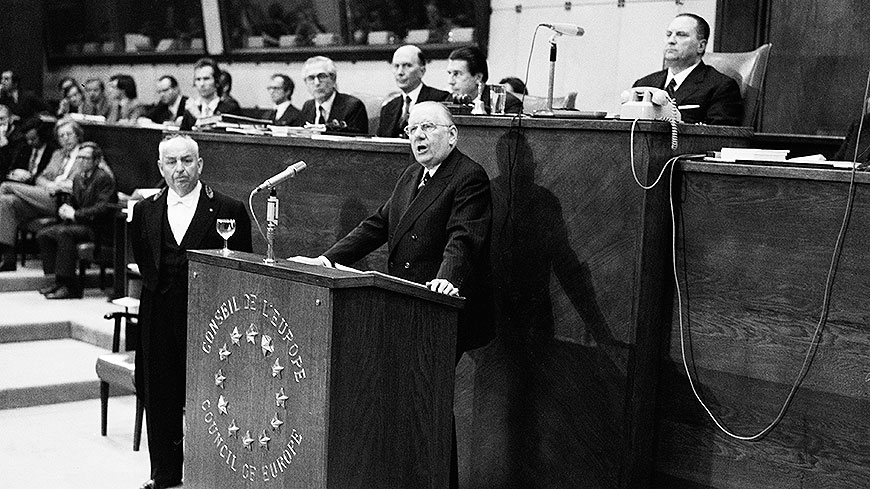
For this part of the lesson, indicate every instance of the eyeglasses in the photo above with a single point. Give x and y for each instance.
(187, 161)
(320, 77)
(427, 127)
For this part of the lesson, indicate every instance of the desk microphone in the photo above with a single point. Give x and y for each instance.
(566, 29)
(287, 174)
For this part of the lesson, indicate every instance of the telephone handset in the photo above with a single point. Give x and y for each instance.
(648, 103)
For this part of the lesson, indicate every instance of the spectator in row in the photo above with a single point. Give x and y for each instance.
(337, 111)
(206, 74)
(11, 138)
(20, 202)
(72, 102)
(22, 103)
(123, 103)
(32, 157)
(84, 217)
(281, 90)
(226, 83)
(96, 102)
(170, 109)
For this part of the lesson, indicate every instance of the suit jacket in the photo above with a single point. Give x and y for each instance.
(443, 232)
(15, 144)
(147, 226)
(348, 114)
(22, 159)
(391, 125)
(92, 198)
(101, 108)
(717, 95)
(27, 106)
(160, 113)
(223, 107)
(291, 117)
(130, 112)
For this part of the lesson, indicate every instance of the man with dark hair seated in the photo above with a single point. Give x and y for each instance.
(85, 217)
(206, 76)
(467, 73)
(33, 156)
(702, 94)
(170, 110)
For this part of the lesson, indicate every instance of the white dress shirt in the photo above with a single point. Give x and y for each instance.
(281, 108)
(180, 211)
(680, 77)
(327, 108)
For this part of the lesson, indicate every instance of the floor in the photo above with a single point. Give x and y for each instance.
(47, 354)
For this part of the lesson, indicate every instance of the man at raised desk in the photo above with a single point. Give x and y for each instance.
(467, 73)
(409, 66)
(337, 111)
(205, 79)
(170, 110)
(281, 91)
(702, 94)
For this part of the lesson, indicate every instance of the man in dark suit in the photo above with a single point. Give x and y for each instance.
(85, 217)
(23, 103)
(33, 156)
(11, 139)
(409, 66)
(281, 90)
(172, 103)
(205, 79)
(702, 94)
(179, 218)
(338, 111)
(436, 223)
(467, 72)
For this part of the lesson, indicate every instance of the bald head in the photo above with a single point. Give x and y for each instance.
(409, 66)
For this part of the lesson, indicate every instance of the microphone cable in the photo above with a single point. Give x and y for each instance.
(826, 301)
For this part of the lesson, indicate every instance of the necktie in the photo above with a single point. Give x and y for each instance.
(406, 108)
(671, 88)
(206, 110)
(31, 167)
(423, 182)
(321, 114)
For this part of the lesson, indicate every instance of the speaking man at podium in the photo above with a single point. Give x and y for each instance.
(436, 223)
(181, 217)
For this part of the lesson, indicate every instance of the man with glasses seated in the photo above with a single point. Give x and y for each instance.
(337, 111)
(281, 90)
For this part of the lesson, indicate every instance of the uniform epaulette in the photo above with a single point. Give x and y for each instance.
(156, 196)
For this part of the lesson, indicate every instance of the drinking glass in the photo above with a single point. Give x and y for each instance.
(497, 98)
(226, 228)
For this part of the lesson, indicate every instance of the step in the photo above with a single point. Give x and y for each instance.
(48, 372)
(31, 277)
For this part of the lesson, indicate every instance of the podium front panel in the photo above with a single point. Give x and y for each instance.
(257, 381)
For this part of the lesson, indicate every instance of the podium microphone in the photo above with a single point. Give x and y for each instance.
(566, 29)
(287, 174)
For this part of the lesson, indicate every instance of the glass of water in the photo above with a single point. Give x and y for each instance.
(226, 228)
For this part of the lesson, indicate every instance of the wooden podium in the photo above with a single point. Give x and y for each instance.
(306, 377)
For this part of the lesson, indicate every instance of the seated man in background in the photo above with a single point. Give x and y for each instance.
(85, 217)
(206, 74)
(170, 109)
(339, 112)
(124, 107)
(281, 90)
(33, 157)
(409, 66)
(11, 139)
(467, 72)
(20, 202)
(514, 85)
(95, 98)
(702, 94)
(23, 103)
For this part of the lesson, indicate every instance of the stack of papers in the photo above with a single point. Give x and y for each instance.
(753, 154)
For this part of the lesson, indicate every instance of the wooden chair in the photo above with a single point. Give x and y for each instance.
(119, 369)
(748, 69)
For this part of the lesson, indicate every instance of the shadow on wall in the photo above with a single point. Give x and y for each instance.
(544, 411)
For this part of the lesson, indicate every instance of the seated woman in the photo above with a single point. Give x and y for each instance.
(84, 217)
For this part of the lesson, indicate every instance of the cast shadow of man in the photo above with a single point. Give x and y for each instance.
(557, 400)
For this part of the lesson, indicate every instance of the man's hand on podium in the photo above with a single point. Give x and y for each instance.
(319, 261)
(442, 286)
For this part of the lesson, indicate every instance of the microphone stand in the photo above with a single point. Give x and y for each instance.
(271, 225)
(548, 112)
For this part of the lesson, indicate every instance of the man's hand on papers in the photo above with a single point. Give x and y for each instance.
(319, 261)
